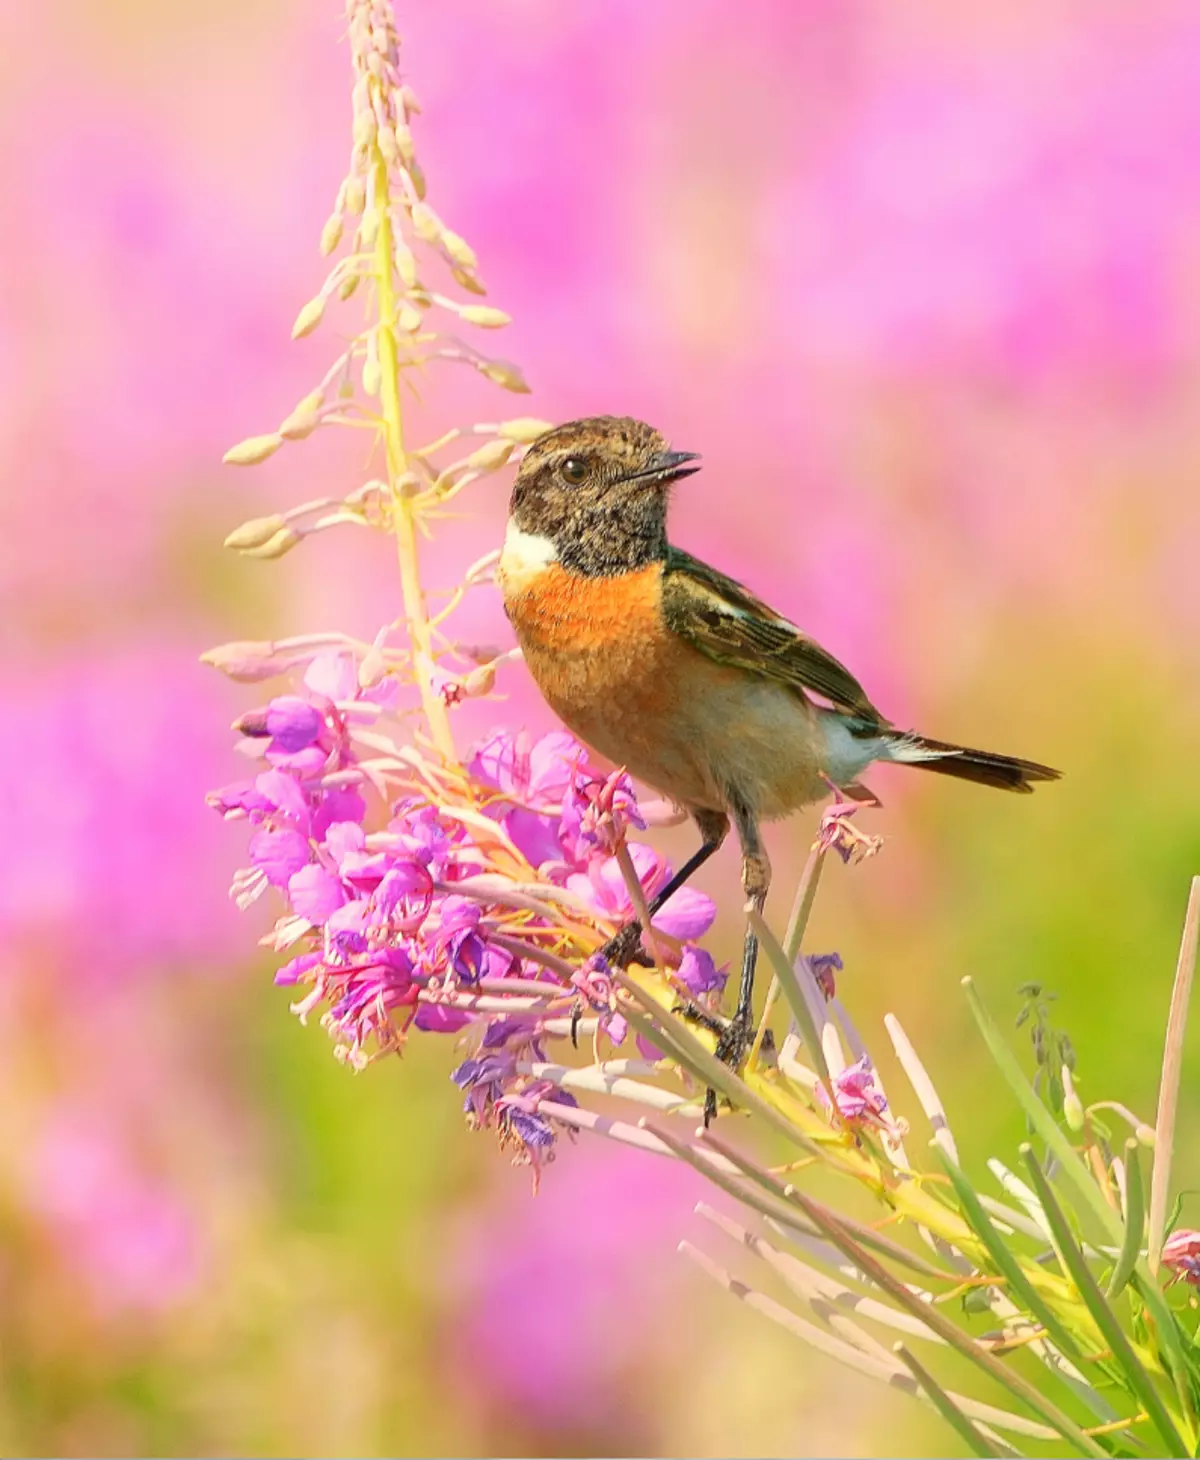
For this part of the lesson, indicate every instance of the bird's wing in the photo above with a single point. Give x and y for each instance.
(721, 619)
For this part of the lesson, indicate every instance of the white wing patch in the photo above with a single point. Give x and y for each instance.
(523, 557)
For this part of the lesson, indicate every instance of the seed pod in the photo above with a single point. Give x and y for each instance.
(253, 450)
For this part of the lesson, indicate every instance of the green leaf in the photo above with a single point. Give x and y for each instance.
(969, 1433)
(1135, 1217)
(1132, 1369)
(1041, 1119)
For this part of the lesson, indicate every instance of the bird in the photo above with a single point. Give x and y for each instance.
(666, 667)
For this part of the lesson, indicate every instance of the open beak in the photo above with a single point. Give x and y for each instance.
(666, 467)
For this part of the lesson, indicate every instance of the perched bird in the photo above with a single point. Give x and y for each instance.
(667, 667)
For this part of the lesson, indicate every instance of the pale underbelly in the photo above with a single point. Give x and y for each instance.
(704, 734)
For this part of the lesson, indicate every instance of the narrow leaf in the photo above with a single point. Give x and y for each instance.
(1043, 1122)
(945, 1406)
(1172, 1070)
(1106, 1320)
(1135, 1218)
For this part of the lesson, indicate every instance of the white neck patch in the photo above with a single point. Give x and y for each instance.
(523, 557)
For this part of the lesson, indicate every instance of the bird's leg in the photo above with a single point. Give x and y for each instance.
(625, 947)
(738, 1035)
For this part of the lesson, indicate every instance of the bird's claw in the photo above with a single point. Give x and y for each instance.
(625, 948)
(733, 1044)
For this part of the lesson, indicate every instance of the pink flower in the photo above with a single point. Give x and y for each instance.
(687, 915)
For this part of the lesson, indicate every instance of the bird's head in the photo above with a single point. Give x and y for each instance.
(597, 491)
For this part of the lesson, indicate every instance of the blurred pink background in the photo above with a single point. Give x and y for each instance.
(922, 284)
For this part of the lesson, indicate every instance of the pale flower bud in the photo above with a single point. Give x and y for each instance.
(248, 660)
(253, 450)
(406, 263)
(309, 317)
(465, 279)
(356, 195)
(1072, 1105)
(409, 318)
(275, 547)
(387, 145)
(503, 373)
(459, 250)
(304, 420)
(417, 175)
(485, 316)
(479, 681)
(404, 143)
(255, 533)
(348, 285)
(426, 222)
(490, 457)
(331, 234)
(364, 129)
(523, 430)
(371, 376)
(372, 669)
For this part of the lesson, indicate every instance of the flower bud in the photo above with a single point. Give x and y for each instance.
(255, 533)
(485, 316)
(365, 129)
(253, 450)
(465, 279)
(503, 373)
(416, 174)
(404, 144)
(348, 285)
(283, 542)
(409, 318)
(304, 420)
(426, 222)
(1072, 1105)
(356, 195)
(408, 100)
(248, 660)
(371, 376)
(406, 263)
(490, 457)
(479, 681)
(372, 669)
(1146, 1136)
(309, 317)
(459, 250)
(331, 234)
(387, 145)
(524, 429)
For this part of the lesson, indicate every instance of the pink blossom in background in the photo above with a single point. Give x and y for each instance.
(131, 1239)
(111, 868)
(560, 1302)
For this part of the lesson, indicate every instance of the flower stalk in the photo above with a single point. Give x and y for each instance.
(426, 893)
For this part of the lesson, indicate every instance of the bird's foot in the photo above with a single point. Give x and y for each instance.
(625, 948)
(734, 1042)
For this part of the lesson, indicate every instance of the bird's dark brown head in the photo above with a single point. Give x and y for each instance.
(598, 489)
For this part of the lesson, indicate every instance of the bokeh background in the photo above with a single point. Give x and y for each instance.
(922, 282)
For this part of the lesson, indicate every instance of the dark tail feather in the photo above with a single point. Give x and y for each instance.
(1005, 772)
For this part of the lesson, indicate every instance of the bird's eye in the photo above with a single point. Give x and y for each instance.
(574, 469)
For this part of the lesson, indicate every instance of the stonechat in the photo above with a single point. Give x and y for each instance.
(665, 666)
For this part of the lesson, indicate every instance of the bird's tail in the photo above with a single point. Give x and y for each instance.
(1005, 772)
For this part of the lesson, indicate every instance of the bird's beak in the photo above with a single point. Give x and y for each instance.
(666, 467)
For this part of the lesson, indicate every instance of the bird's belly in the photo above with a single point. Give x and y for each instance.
(700, 732)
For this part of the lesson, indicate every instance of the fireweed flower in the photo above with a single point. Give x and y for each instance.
(424, 893)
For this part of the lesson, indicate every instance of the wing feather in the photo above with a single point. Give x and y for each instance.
(723, 620)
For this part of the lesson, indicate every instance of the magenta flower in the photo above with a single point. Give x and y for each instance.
(1181, 1253)
(687, 915)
